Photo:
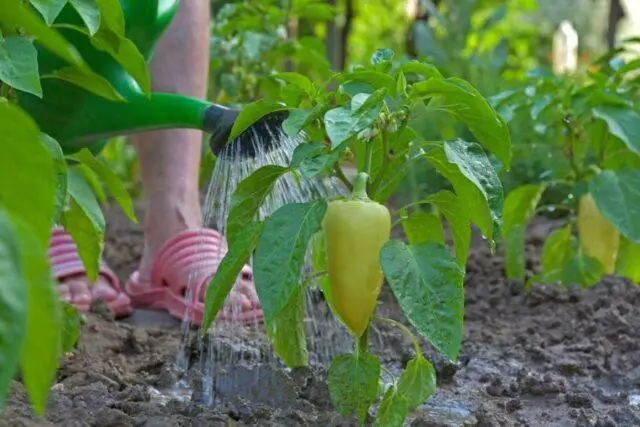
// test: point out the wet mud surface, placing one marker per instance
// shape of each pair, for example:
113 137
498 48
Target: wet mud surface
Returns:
547 357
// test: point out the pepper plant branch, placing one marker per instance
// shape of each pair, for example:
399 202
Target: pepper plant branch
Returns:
342 177
407 331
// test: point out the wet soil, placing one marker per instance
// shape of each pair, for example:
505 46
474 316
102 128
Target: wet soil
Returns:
546 357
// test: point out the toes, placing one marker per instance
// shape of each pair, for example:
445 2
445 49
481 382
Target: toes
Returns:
65 292
104 291
79 292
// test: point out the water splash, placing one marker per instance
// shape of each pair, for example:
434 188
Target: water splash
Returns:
225 352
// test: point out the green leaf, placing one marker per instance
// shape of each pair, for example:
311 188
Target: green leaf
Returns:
343 123
281 251
49 9
313 158
41 349
627 262
251 114
617 197
248 197
557 251
85 223
421 68
427 283
382 56
89 12
19 64
376 79
303 82
229 270
27 174
519 208
475 181
112 17
623 123
319 262
423 227
60 167
13 303
299 118
455 211
286 331
353 383
89 81
583 270
71 323
418 382
467 104
127 55
393 409
16 14
115 186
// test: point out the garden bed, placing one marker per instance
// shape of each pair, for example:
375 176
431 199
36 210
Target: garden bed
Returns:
549 357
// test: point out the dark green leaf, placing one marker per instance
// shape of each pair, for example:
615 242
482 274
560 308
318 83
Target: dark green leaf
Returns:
13 303
110 180
314 158
617 197
15 14
89 81
251 114
286 331
475 181
49 9
376 79
299 80
60 167
463 101
427 283
519 208
229 270
423 227
418 382
319 262
89 12
623 123
281 251
248 197
71 323
353 383
455 211
85 223
381 56
19 64
296 121
393 409
42 347
27 174
627 264
344 122
582 270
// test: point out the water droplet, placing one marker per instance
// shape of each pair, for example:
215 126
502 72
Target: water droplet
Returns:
570 196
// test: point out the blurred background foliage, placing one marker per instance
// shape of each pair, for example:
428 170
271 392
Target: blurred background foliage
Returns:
494 44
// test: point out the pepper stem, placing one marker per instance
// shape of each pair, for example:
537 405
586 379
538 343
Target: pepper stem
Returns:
360 186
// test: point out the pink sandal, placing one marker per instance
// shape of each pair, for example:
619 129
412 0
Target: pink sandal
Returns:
182 266
66 264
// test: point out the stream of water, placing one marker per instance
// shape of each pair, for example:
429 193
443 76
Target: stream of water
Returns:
219 359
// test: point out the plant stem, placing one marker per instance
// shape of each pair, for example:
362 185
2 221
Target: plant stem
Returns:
342 177
368 154
407 331
363 341
386 159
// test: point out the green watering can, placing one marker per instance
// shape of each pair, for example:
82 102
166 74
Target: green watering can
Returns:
77 118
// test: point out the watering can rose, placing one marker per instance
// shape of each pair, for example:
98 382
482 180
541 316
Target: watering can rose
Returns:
355 230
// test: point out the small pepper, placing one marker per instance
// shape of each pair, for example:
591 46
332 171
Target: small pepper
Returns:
355 230
598 237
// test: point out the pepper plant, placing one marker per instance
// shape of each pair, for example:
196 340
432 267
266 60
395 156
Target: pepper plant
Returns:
368 116
590 127
41 187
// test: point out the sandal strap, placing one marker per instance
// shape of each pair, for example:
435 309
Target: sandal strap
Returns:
189 259
66 262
